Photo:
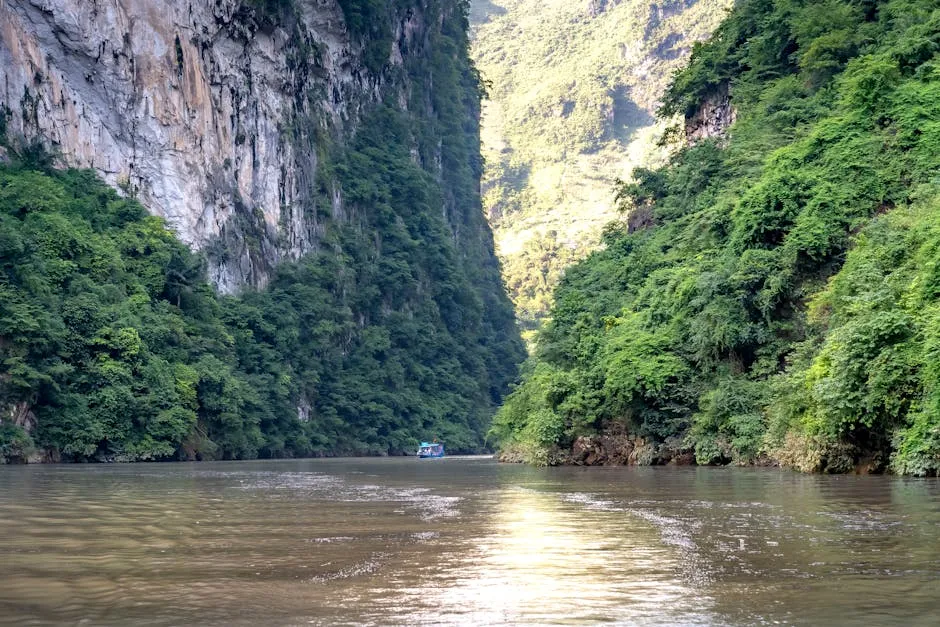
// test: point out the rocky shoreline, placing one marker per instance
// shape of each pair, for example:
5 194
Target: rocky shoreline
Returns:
605 450
624 449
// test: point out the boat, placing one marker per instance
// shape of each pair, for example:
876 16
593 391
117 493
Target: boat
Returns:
430 449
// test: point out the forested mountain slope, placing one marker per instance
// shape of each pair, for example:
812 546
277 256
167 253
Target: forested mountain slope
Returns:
390 326
775 296
572 93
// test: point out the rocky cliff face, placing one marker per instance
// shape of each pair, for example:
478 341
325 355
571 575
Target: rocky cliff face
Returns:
210 111
712 117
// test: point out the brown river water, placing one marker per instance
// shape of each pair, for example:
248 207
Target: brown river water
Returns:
463 541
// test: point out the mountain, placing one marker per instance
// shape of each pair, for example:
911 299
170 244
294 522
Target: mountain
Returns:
205 111
772 296
572 91
315 275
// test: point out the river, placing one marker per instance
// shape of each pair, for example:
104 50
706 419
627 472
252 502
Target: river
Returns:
463 541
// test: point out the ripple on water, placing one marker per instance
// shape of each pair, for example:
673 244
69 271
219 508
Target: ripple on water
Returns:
427 505
424 536
365 567
590 501
865 520
674 531
291 542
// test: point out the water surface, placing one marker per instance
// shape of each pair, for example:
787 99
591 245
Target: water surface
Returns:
463 541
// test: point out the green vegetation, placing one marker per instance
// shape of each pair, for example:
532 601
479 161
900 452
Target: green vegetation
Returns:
572 90
107 329
370 21
396 329
113 337
273 12
781 301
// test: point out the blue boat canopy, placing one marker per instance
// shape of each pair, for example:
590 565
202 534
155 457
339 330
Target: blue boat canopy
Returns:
431 449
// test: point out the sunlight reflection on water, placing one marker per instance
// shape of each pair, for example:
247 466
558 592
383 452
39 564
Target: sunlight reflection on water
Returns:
544 560
462 542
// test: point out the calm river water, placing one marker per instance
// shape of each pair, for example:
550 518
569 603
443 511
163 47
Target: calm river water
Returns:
463 541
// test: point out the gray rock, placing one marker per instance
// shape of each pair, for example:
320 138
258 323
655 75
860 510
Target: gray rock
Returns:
712 118
201 109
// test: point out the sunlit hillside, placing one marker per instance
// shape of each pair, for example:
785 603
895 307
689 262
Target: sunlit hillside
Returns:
573 88
775 295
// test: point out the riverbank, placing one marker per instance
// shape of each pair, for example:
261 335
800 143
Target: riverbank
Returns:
617 448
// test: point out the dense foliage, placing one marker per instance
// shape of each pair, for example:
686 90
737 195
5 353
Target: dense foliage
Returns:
395 329
572 90
781 300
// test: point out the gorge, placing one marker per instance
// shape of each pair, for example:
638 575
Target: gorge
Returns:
322 160
289 256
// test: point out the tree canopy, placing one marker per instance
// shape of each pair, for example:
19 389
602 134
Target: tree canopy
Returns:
775 301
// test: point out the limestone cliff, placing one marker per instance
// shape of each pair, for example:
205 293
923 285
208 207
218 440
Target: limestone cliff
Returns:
208 110
574 87
711 118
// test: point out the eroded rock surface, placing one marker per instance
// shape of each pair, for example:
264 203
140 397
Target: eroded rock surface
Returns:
207 110
712 118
